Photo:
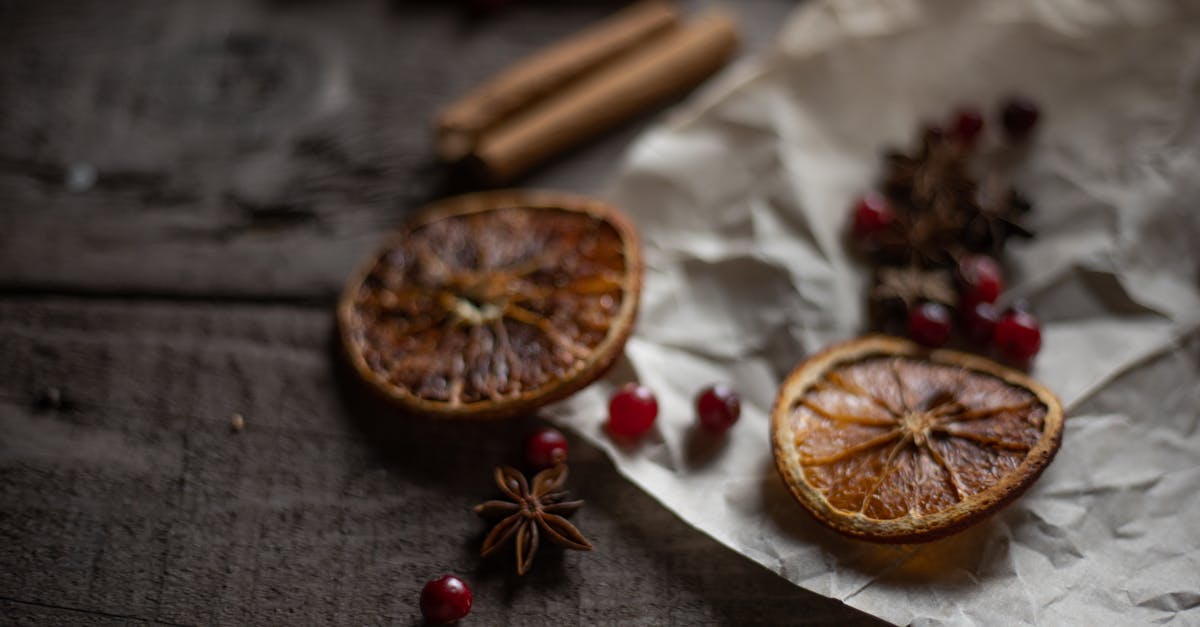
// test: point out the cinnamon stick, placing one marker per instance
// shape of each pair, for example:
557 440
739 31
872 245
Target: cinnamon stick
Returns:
461 123
646 76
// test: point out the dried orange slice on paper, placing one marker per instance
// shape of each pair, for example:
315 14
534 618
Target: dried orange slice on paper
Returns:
493 304
883 440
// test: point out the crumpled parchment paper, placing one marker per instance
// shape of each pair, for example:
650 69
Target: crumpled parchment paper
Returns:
742 198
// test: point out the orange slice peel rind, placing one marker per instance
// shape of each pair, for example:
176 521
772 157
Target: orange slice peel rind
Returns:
883 440
493 304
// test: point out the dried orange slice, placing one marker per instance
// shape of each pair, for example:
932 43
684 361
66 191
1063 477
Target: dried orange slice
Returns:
883 440
494 304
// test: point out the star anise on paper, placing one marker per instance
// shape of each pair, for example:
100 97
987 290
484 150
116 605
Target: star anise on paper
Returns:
996 216
927 239
936 173
934 197
913 285
531 513
936 232
897 290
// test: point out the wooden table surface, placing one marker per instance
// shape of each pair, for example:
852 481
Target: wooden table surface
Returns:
183 188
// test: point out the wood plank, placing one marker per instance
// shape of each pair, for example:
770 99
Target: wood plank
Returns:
22 613
131 496
244 149
203 176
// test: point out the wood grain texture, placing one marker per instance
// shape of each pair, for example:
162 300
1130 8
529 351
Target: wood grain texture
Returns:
251 149
127 494
183 188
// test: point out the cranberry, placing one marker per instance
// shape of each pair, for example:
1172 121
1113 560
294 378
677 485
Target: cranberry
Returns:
930 324
967 125
545 448
981 277
718 407
445 600
872 214
632 411
979 321
1018 337
1019 115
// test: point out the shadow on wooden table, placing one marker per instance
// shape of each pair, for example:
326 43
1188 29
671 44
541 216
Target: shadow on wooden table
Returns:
629 529
457 455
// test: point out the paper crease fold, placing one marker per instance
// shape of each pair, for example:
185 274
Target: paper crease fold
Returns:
741 197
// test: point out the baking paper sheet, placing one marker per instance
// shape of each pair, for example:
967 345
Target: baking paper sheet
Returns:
742 196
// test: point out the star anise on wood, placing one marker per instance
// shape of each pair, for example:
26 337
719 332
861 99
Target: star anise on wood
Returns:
531 514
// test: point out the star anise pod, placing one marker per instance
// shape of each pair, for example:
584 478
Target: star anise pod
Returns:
928 239
897 290
531 513
939 169
996 216
933 195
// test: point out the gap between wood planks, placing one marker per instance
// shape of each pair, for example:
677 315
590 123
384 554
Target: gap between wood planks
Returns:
216 298
67 608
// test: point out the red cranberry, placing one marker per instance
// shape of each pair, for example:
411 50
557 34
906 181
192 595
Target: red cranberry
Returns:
872 214
979 321
930 324
1019 115
545 448
981 277
632 411
967 125
718 407
1018 337
445 600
